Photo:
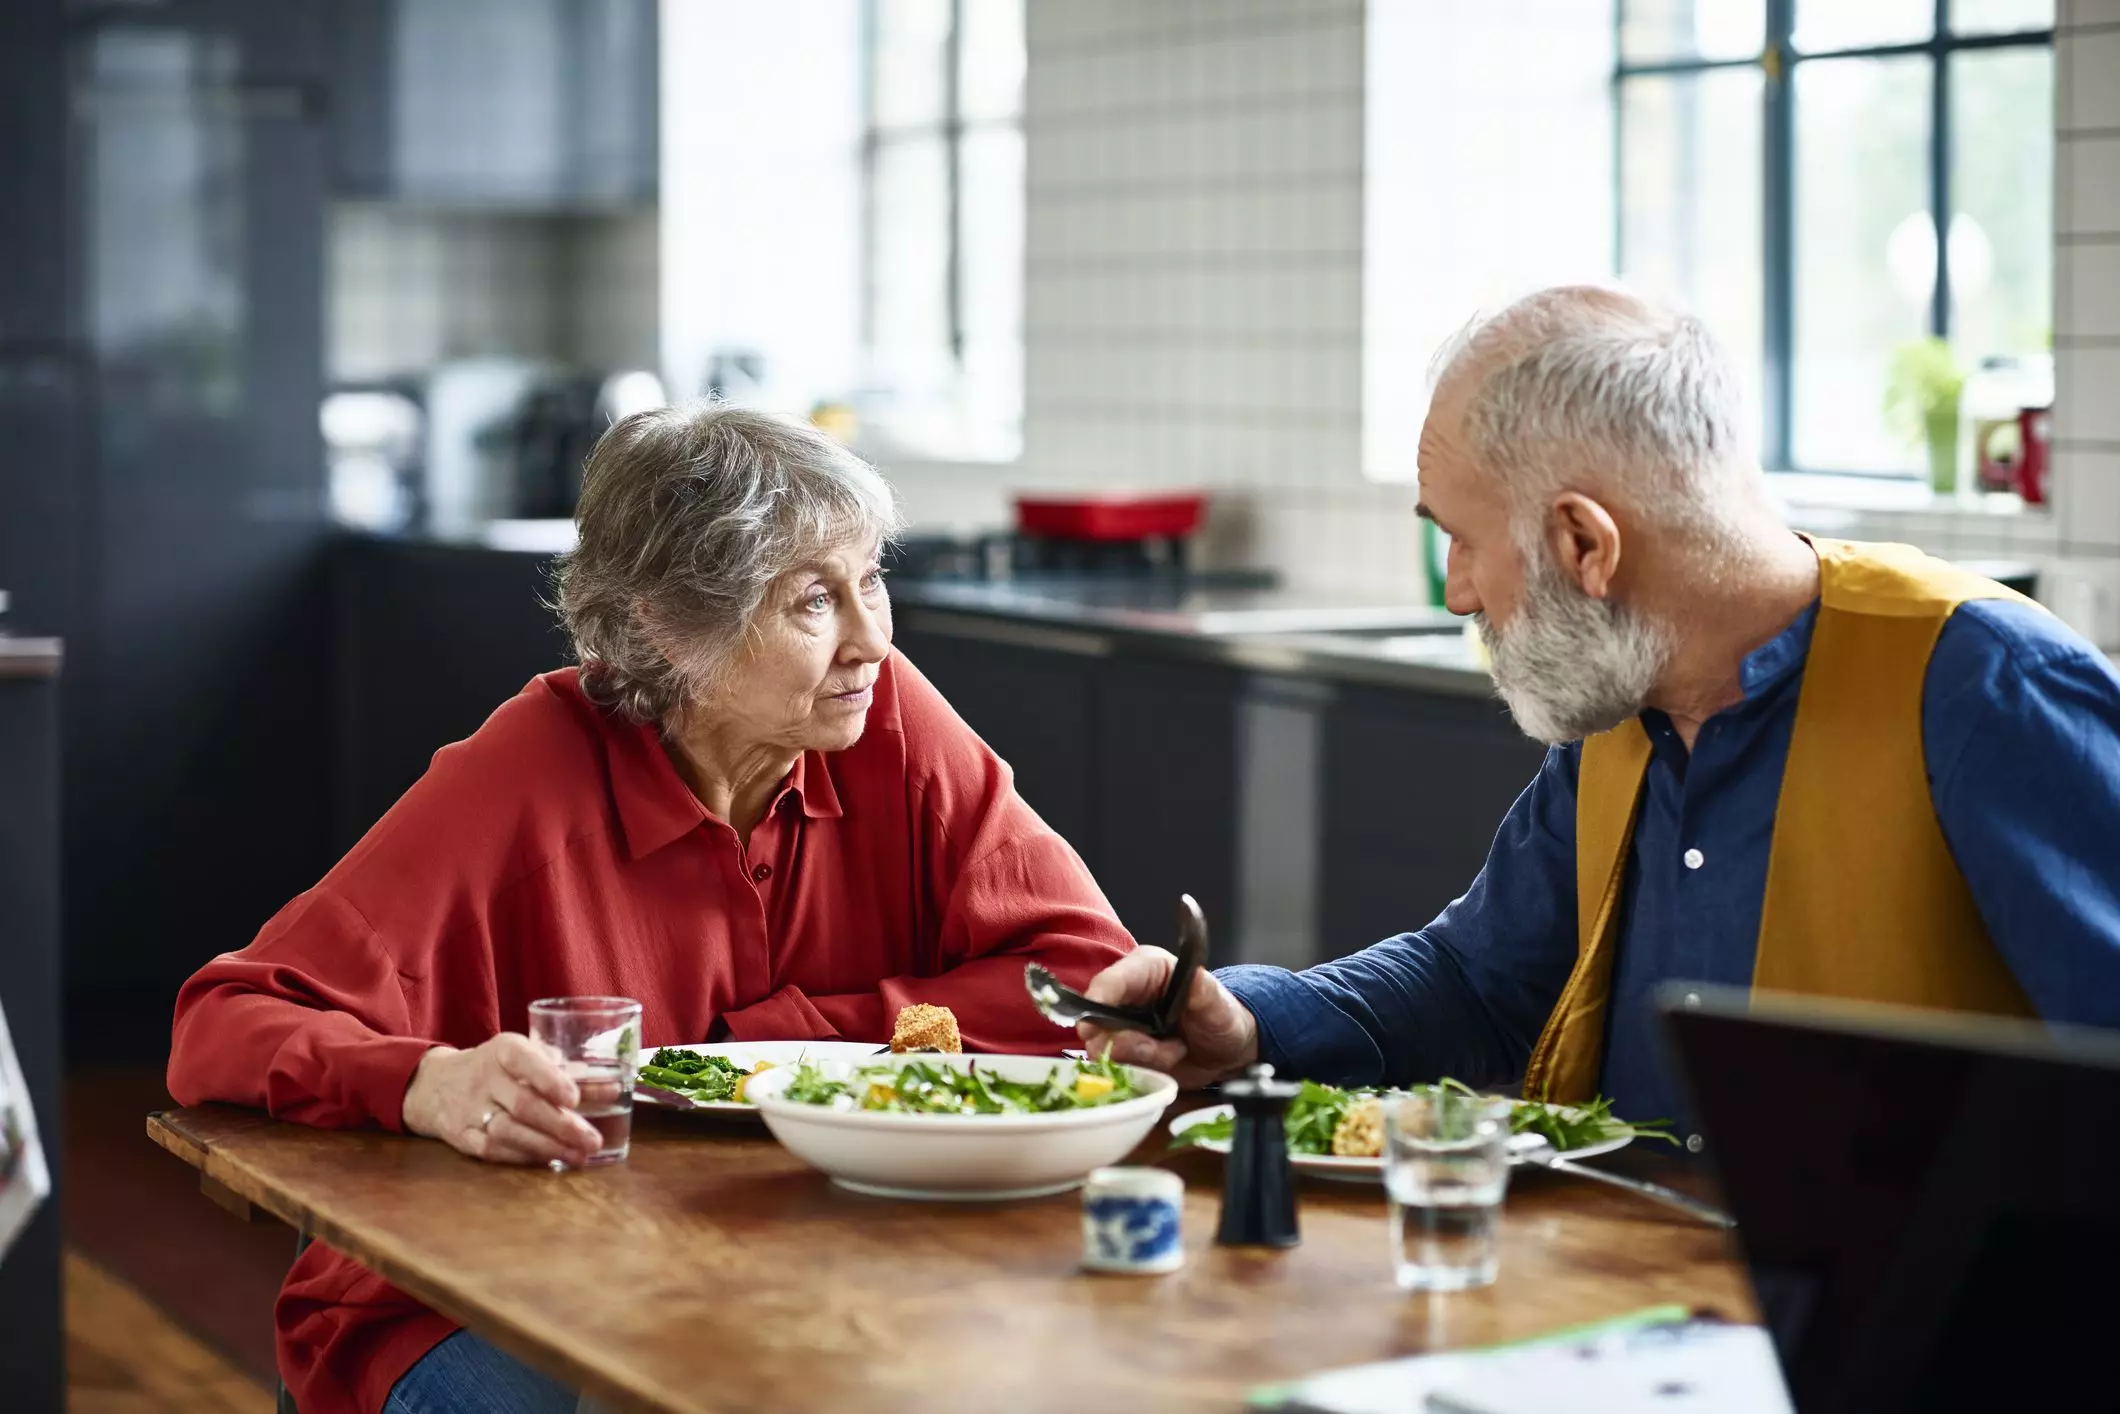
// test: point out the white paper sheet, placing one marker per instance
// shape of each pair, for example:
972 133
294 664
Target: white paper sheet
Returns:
24 1179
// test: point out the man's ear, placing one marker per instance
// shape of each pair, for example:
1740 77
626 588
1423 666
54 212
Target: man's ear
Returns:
1585 542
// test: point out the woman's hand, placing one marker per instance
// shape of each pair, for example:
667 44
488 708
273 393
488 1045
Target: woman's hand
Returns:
506 1101
1217 1034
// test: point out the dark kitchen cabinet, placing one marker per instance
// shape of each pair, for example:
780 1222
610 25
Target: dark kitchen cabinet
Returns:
32 1340
1031 701
529 104
1165 795
195 770
34 297
1414 786
1131 759
428 641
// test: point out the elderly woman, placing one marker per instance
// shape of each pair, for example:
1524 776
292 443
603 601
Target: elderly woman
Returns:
742 809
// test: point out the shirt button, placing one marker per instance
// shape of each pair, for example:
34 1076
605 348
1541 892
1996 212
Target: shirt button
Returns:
1694 859
762 873
1692 999
1694 1143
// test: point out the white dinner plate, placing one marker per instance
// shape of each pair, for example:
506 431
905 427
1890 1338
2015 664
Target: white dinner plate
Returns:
1350 1170
746 1054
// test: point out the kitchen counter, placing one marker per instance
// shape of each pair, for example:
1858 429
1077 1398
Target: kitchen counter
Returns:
1278 631
29 657
1275 631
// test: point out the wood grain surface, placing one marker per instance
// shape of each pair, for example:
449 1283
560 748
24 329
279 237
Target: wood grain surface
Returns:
125 1356
715 1272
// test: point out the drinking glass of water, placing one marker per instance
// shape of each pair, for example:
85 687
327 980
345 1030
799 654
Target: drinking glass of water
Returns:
597 1041
1446 1166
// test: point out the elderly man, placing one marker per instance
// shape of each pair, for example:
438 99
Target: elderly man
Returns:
1835 769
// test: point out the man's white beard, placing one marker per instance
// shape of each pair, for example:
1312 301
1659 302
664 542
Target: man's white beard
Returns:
1570 666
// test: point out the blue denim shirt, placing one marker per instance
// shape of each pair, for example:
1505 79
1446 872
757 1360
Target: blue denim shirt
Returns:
2021 731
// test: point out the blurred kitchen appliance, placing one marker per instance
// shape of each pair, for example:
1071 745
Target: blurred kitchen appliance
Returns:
1105 534
1085 538
545 439
373 437
1990 406
2035 438
556 426
1110 518
473 406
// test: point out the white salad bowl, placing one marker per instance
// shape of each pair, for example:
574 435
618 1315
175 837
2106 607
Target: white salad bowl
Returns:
963 1158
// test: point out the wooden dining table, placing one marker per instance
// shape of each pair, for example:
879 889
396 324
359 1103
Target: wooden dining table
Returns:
714 1271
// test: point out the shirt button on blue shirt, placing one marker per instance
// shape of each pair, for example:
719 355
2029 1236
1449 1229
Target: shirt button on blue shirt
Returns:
1694 859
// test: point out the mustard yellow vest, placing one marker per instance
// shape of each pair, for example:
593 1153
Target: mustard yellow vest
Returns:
1863 899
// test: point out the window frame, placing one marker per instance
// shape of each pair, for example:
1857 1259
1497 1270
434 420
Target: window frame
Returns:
1779 58
950 129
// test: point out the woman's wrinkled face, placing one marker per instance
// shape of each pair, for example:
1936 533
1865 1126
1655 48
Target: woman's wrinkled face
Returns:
806 672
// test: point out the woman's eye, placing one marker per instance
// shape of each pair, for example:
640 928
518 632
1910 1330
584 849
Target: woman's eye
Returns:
872 580
818 603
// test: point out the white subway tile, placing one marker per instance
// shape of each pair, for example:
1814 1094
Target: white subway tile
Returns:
2087 401
2087 291
2085 592
2087 497
2089 12
2092 62
2089 172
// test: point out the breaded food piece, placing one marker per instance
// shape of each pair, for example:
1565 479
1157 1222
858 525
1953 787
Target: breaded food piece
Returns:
926 1028
1360 1132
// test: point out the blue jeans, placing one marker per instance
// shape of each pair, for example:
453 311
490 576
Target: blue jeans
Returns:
465 1375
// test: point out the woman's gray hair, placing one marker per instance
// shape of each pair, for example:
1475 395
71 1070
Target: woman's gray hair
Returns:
1596 390
688 514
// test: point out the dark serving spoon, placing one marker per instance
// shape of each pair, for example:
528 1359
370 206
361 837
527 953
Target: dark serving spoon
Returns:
1064 1006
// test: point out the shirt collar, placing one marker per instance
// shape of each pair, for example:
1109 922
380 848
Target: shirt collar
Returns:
1773 661
811 783
655 806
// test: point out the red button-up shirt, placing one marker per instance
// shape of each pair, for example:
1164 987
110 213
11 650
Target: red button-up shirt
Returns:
557 852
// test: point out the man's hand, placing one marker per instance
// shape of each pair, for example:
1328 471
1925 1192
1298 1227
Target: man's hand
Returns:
1218 1035
507 1101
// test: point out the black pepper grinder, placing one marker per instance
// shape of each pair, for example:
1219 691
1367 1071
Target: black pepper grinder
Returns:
1258 1184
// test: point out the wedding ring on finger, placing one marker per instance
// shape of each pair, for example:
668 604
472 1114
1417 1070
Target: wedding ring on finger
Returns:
485 1121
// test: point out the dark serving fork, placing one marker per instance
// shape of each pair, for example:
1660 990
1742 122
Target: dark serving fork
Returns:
1064 1006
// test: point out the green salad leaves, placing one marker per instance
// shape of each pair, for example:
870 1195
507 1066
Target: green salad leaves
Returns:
924 1087
1317 1110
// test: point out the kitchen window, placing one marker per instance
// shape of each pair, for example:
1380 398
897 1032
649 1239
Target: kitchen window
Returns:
942 200
1827 181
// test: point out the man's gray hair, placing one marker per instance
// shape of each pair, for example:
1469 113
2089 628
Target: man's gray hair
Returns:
688 514
1583 388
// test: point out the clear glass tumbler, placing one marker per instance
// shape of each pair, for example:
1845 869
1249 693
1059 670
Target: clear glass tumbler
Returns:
597 1041
1446 1167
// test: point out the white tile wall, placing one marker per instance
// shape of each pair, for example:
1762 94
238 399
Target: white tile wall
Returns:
2087 291
410 286
2083 584
2094 80
2075 13
1193 310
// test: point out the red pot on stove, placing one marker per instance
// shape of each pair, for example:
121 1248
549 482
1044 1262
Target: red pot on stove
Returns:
1110 518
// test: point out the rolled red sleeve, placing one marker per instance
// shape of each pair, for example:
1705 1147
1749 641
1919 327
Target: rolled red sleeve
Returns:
787 1015
309 1023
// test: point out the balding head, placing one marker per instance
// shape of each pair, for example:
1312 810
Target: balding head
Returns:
1594 390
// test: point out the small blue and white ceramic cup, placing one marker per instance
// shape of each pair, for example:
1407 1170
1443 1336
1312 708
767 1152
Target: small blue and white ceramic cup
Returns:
1130 1220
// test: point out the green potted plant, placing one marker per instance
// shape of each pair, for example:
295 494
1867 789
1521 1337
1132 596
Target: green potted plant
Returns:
1921 403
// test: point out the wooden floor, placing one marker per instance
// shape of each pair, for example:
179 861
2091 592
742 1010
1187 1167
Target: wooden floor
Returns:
124 1356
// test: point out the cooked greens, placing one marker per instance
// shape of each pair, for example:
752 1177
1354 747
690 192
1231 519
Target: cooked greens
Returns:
693 1075
924 1087
1317 1112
